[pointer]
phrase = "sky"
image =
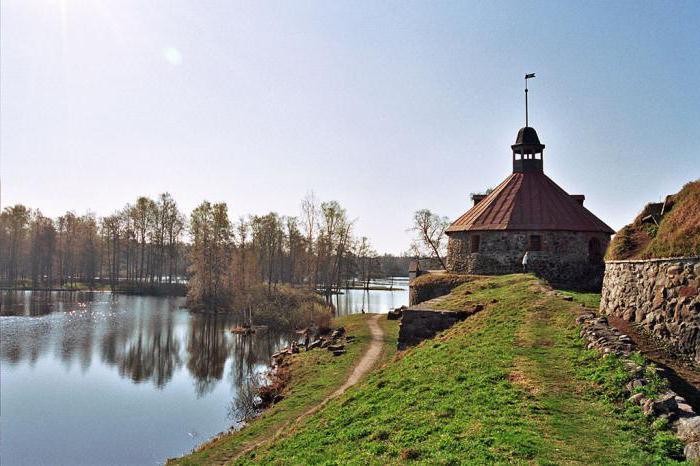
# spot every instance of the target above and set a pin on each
(386, 107)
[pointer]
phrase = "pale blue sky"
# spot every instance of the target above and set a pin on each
(387, 107)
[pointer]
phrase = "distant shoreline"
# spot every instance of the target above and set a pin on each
(167, 291)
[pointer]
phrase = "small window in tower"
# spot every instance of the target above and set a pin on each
(474, 241)
(535, 243)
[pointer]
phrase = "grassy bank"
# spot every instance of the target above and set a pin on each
(512, 384)
(314, 375)
(675, 233)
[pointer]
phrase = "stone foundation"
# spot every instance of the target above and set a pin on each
(661, 295)
(565, 257)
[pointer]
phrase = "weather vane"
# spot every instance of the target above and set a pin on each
(527, 76)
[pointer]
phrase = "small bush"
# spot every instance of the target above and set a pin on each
(410, 454)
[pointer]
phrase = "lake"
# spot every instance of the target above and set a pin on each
(354, 301)
(96, 378)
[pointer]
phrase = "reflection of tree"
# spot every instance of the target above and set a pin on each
(250, 356)
(208, 350)
(154, 356)
(76, 338)
(140, 337)
(26, 341)
(252, 352)
(147, 351)
(12, 303)
(41, 303)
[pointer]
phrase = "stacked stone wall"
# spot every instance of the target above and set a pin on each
(436, 285)
(661, 295)
(563, 259)
(419, 324)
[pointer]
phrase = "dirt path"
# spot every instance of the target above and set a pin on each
(366, 363)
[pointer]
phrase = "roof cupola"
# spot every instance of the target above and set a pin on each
(527, 150)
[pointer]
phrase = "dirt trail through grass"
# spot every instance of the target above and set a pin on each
(512, 384)
(369, 359)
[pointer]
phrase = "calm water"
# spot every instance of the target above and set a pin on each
(354, 301)
(95, 378)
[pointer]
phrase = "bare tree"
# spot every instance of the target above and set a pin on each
(430, 231)
(309, 221)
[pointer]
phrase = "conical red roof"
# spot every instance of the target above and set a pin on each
(529, 201)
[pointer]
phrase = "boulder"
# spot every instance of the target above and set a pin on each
(315, 344)
(692, 451)
(666, 404)
(685, 408)
(688, 428)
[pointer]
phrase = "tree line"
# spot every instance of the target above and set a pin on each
(139, 245)
(150, 244)
(317, 249)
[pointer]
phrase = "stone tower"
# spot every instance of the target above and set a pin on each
(528, 212)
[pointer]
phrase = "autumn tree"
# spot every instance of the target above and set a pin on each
(14, 223)
(210, 281)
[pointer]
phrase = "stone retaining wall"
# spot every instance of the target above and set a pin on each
(422, 324)
(661, 295)
(433, 285)
(682, 418)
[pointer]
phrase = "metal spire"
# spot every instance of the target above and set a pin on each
(527, 76)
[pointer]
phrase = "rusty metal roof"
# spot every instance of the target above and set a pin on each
(529, 201)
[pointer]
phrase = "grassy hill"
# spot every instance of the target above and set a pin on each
(675, 233)
(314, 375)
(511, 384)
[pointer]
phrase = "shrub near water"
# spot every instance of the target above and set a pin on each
(284, 307)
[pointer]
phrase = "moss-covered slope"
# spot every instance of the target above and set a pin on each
(652, 235)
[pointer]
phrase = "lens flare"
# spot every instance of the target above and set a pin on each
(172, 56)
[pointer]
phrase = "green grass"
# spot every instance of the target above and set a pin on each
(511, 384)
(589, 300)
(315, 375)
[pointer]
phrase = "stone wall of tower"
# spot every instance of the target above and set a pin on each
(564, 257)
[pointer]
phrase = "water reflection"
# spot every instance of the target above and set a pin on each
(114, 379)
(145, 339)
(355, 301)
(40, 303)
